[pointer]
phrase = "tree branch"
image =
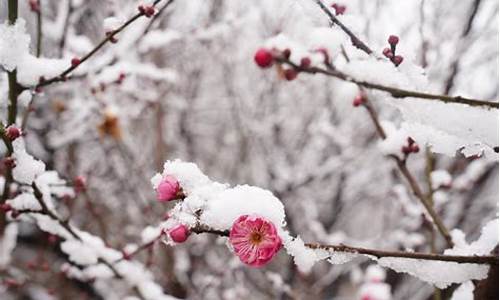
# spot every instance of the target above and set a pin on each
(109, 37)
(485, 259)
(334, 21)
(395, 92)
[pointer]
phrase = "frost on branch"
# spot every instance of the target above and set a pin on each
(443, 274)
(7, 244)
(27, 168)
(218, 206)
(15, 54)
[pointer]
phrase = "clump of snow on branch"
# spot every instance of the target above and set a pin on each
(218, 206)
(27, 168)
(396, 138)
(14, 41)
(443, 274)
(464, 292)
(439, 273)
(14, 54)
(482, 246)
(7, 244)
(440, 178)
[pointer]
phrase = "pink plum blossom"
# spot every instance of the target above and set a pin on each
(168, 189)
(254, 239)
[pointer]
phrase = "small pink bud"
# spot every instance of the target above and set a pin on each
(179, 233)
(121, 78)
(146, 10)
(358, 100)
(290, 74)
(326, 56)
(9, 162)
(126, 255)
(264, 58)
(34, 5)
(52, 239)
(12, 132)
(5, 207)
(112, 39)
(388, 53)
(75, 61)
(339, 9)
(415, 148)
(397, 60)
(410, 141)
(406, 150)
(15, 213)
(393, 40)
(305, 62)
(168, 189)
(80, 184)
(286, 53)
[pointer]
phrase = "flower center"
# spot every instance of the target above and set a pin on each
(256, 237)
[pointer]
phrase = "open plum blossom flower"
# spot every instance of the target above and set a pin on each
(168, 189)
(254, 239)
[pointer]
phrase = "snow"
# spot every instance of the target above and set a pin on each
(50, 225)
(375, 291)
(14, 53)
(111, 24)
(440, 178)
(7, 244)
(188, 175)
(304, 257)
(27, 168)
(156, 39)
(482, 246)
(464, 292)
(79, 252)
(338, 258)
(25, 201)
(15, 41)
(439, 273)
(150, 234)
(223, 210)
(31, 68)
(395, 140)
(374, 273)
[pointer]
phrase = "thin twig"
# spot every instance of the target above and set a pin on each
(108, 38)
(395, 92)
(357, 42)
(415, 187)
(484, 259)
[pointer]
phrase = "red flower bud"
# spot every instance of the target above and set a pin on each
(9, 162)
(388, 53)
(397, 60)
(179, 233)
(264, 58)
(12, 132)
(393, 40)
(286, 53)
(358, 100)
(146, 10)
(80, 184)
(290, 74)
(75, 61)
(34, 6)
(406, 150)
(305, 62)
(339, 9)
(5, 207)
